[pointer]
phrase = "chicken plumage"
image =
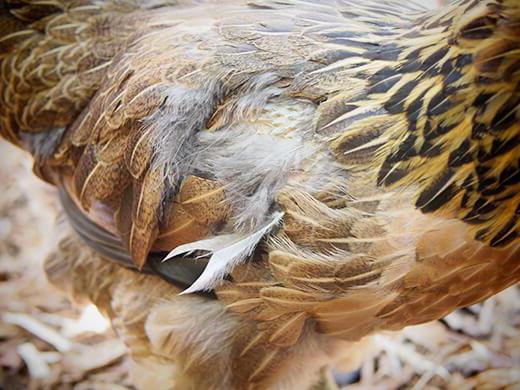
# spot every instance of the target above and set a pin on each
(350, 167)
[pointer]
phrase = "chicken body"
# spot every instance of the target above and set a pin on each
(351, 168)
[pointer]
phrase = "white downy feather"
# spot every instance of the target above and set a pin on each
(227, 251)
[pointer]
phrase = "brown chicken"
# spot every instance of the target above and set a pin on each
(312, 172)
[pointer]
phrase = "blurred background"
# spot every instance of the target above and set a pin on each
(48, 343)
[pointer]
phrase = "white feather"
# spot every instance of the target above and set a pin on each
(227, 251)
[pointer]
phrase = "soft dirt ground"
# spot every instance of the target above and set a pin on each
(47, 343)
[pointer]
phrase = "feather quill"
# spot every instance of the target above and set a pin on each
(227, 250)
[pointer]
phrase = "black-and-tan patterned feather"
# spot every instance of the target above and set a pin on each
(348, 167)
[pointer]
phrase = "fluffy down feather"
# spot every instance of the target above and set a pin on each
(388, 137)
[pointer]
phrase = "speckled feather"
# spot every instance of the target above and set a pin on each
(387, 136)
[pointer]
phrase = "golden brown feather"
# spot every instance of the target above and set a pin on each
(388, 137)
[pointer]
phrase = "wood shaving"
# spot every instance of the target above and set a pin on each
(36, 365)
(38, 329)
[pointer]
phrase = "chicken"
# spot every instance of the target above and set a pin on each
(312, 172)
